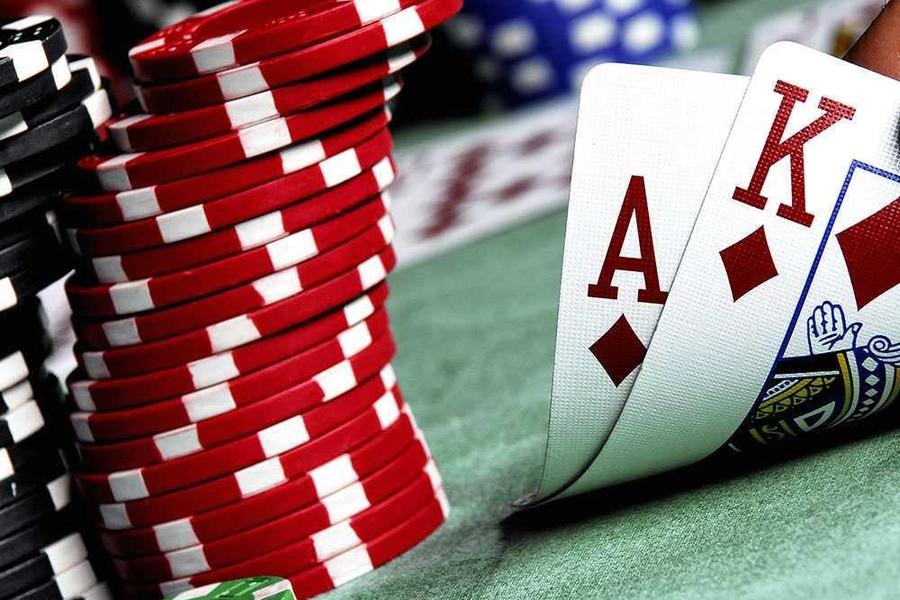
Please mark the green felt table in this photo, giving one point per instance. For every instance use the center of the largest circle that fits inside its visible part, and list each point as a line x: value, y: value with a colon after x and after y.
x: 476, y: 329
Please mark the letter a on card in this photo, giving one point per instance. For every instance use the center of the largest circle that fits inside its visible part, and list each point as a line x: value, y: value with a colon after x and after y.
x: 647, y: 144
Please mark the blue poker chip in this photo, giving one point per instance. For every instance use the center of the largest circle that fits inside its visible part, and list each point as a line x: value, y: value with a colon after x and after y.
x: 525, y: 51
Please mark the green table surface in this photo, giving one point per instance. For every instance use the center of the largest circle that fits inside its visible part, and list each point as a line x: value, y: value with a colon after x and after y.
x: 476, y: 331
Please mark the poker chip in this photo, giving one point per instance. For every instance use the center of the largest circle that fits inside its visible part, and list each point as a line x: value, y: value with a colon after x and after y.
x: 41, y: 167
x: 364, y: 558
x: 45, y: 563
x: 36, y: 88
x: 20, y: 423
x: 221, y: 251
x: 87, y: 116
x: 263, y: 478
x: 198, y: 367
x: 304, y: 196
x: 250, y: 588
x: 129, y: 171
x: 151, y: 201
x: 286, y: 439
x: 153, y: 132
x: 41, y: 503
x: 35, y: 248
x: 353, y: 493
x: 335, y: 401
x: 230, y: 35
x: 303, y: 262
x: 321, y: 577
x: 85, y: 81
x: 32, y: 538
x: 75, y: 583
x: 106, y: 395
x: 41, y: 196
x: 22, y: 361
x: 282, y: 549
x: 322, y: 57
x: 28, y: 46
x: 29, y: 281
x: 41, y: 469
x: 159, y: 417
x: 247, y: 328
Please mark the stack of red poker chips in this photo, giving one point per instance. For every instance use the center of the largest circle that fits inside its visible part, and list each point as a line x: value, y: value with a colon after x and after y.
x: 235, y: 406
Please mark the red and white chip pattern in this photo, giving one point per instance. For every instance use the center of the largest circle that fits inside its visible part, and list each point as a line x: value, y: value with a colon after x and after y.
x: 300, y: 262
x: 306, y: 62
x: 153, y: 132
x: 244, y: 34
x: 331, y: 475
x: 361, y: 490
x: 234, y: 351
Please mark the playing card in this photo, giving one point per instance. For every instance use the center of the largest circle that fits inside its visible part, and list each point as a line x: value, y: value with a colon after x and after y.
x: 782, y: 317
x: 647, y: 144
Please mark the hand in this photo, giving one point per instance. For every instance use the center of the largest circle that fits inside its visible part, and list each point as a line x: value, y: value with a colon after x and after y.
x: 876, y: 50
x: 827, y: 330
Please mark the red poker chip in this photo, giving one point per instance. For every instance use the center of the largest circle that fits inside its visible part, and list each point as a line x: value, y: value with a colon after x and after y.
x: 342, y: 568
x: 339, y: 396
x: 175, y: 228
x: 286, y: 437
x: 136, y: 267
x: 109, y: 395
x: 365, y: 558
x: 166, y: 416
x: 299, y: 271
x: 215, y: 369
x: 262, y: 510
x: 294, y: 66
x: 262, y: 478
x: 233, y: 34
x: 141, y: 169
x: 154, y: 132
x: 234, y: 333
x: 318, y: 405
x: 283, y: 545
x: 275, y: 230
x: 143, y: 203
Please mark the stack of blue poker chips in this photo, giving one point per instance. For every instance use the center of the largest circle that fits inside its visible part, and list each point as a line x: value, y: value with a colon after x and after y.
x: 525, y: 51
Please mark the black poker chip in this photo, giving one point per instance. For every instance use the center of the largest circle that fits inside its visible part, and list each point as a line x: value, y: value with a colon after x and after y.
x: 43, y: 469
x: 41, y: 503
x: 17, y: 97
x: 90, y: 113
x: 77, y: 583
x: 38, y: 247
x: 54, y: 558
x: 39, y: 196
x: 23, y: 284
x: 51, y: 165
x: 85, y: 81
x: 23, y: 390
x: 27, y: 322
x: 28, y: 46
x: 36, y: 536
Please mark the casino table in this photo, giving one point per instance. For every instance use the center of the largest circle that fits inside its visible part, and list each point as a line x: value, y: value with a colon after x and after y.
x: 476, y: 329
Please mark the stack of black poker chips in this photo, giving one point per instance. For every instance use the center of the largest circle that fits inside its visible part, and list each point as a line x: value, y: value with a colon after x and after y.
x: 52, y: 110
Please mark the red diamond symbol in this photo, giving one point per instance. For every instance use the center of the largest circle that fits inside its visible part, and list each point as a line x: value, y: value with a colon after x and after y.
x: 872, y: 253
x: 619, y: 351
x: 748, y: 263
